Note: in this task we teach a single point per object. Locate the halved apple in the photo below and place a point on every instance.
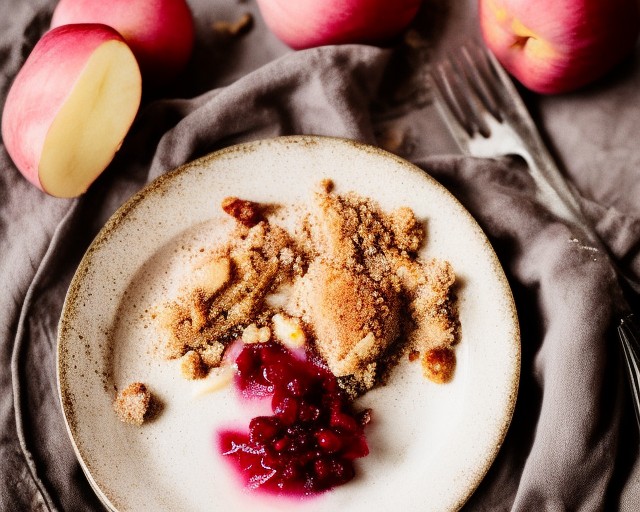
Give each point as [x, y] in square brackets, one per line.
[70, 107]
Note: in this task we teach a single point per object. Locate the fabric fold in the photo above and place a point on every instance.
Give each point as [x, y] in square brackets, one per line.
[332, 85]
[570, 399]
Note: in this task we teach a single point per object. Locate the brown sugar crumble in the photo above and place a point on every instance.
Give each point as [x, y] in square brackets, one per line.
[192, 366]
[228, 293]
[356, 292]
[132, 403]
[245, 212]
[364, 277]
[439, 363]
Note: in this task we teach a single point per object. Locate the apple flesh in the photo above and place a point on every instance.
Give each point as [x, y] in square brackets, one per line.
[308, 23]
[70, 107]
[160, 32]
[555, 46]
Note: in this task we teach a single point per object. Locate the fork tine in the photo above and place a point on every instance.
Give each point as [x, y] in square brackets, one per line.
[466, 93]
[465, 86]
[455, 120]
[443, 87]
[504, 90]
[477, 67]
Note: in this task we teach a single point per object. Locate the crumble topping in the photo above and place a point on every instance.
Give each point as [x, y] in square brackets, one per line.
[192, 366]
[349, 286]
[132, 403]
[236, 278]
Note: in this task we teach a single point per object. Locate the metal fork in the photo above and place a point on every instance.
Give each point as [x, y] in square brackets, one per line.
[487, 118]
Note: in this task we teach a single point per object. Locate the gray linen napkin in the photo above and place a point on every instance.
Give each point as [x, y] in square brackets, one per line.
[571, 444]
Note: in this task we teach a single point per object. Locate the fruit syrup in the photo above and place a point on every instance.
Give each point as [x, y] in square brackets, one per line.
[310, 442]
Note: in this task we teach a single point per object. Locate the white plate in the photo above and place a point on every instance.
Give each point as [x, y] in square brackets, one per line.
[430, 444]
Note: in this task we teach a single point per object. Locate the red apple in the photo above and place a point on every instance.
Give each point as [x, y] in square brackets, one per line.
[70, 107]
[309, 23]
[160, 32]
[555, 46]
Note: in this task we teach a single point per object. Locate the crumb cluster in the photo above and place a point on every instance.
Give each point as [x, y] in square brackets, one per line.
[132, 403]
[366, 289]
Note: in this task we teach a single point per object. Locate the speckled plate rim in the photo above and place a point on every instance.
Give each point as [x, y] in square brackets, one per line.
[165, 180]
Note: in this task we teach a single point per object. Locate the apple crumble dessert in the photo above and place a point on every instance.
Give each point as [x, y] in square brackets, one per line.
[310, 317]
[346, 283]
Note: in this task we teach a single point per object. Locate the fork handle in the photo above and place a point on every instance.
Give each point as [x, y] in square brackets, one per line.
[557, 193]
[628, 328]
[553, 186]
[564, 203]
[629, 333]
[542, 166]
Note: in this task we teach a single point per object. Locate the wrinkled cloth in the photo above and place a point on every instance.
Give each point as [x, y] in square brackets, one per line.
[572, 444]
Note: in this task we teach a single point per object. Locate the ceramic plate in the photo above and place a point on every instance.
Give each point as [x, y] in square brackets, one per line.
[430, 444]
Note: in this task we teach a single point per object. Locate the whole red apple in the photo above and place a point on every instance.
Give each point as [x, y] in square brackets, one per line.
[309, 23]
[555, 46]
[159, 32]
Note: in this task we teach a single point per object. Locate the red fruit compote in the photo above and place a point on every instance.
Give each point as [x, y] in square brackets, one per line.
[310, 442]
